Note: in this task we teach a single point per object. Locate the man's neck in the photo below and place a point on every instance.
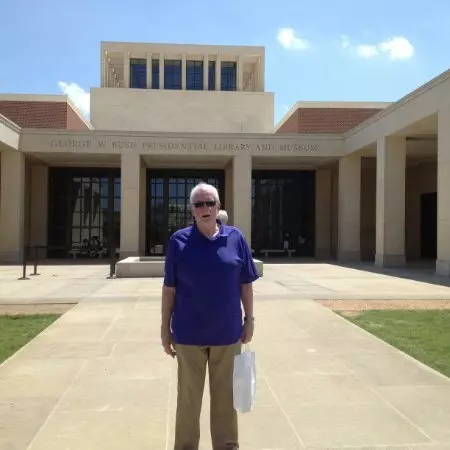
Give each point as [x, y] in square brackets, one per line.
[208, 230]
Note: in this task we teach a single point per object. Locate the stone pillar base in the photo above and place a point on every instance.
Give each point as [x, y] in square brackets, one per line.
[11, 257]
[389, 260]
[349, 256]
[443, 268]
[323, 253]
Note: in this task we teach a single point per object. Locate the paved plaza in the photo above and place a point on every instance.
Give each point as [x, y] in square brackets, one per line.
[97, 378]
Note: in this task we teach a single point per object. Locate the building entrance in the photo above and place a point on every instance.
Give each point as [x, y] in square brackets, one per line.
[428, 225]
[168, 206]
[84, 212]
[283, 212]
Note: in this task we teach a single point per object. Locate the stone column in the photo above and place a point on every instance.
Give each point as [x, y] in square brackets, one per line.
[183, 72]
[323, 214]
[39, 208]
[205, 72]
[443, 190]
[126, 70]
[242, 194]
[149, 71]
[104, 82]
[229, 191]
[390, 202]
[260, 72]
[161, 70]
[12, 206]
[218, 72]
[107, 73]
[130, 212]
[240, 73]
[349, 208]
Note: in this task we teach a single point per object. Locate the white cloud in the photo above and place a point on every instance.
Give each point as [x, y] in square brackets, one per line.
[79, 97]
[289, 39]
[397, 48]
[367, 51]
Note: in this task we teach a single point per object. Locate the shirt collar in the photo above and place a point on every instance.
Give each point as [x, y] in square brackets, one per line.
[224, 230]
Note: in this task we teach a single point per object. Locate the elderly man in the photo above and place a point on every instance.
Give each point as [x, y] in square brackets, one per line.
[209, 271]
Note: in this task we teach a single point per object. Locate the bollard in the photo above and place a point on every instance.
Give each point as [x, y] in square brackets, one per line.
[111, 270]
[112, 263]
[24, 266]
[35, 254]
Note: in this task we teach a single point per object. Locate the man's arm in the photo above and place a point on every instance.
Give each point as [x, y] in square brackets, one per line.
[168, 287]
[247, 277]
[247, 303]
[168, 296]
[247, 299]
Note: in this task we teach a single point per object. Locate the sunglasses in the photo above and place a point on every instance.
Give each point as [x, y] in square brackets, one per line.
[209, 204]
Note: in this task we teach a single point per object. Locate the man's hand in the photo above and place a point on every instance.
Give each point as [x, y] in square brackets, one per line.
[168, 295]
[247, 331]
[167, 342]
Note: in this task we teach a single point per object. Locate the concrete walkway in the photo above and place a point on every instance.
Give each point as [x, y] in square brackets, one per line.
[97, 378]
[73, 283]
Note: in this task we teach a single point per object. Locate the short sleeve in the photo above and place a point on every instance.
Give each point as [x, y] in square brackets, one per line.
[249, 273]
[170, 263]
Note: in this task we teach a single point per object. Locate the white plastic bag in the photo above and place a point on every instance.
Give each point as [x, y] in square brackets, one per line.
[244, 381]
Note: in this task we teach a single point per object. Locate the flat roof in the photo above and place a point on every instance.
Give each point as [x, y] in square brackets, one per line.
[329, 105]
[56, 98]
[172, 48]
[33, 97]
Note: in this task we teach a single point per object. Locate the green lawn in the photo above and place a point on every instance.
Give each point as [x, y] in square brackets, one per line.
[16, 331]
[425, 335]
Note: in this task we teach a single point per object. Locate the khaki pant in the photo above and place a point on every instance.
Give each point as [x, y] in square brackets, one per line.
[192, 362]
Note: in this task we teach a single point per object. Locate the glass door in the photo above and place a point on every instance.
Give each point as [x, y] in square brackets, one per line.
[168, 208]
[84, 212]
[283, 211]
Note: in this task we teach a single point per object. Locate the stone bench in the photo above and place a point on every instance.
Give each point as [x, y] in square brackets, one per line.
[267, 251]
[153, 267]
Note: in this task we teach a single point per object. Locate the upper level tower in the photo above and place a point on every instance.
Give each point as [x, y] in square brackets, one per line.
[182, 67]
[182, 88]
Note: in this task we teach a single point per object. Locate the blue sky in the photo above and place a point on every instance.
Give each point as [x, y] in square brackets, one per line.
[332, 50]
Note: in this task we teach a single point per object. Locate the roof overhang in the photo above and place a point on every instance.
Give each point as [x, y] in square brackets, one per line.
[180, 150]
[95, 141]
[414, 114]
[9, 133]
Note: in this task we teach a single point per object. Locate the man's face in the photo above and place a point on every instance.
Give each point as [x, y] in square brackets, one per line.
[204, 207]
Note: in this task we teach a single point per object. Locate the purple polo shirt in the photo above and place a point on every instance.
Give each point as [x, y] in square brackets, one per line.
[207, 275]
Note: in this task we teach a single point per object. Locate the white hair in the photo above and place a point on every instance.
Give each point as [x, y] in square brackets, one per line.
[205, 187]
[223, 216]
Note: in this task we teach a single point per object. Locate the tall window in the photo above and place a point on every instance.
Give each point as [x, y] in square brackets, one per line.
[84, 211]
[228, 76]
[138, 73]
[211, 75]
[283, 205]
[172, 74]
[155, 73]
[194, 75]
